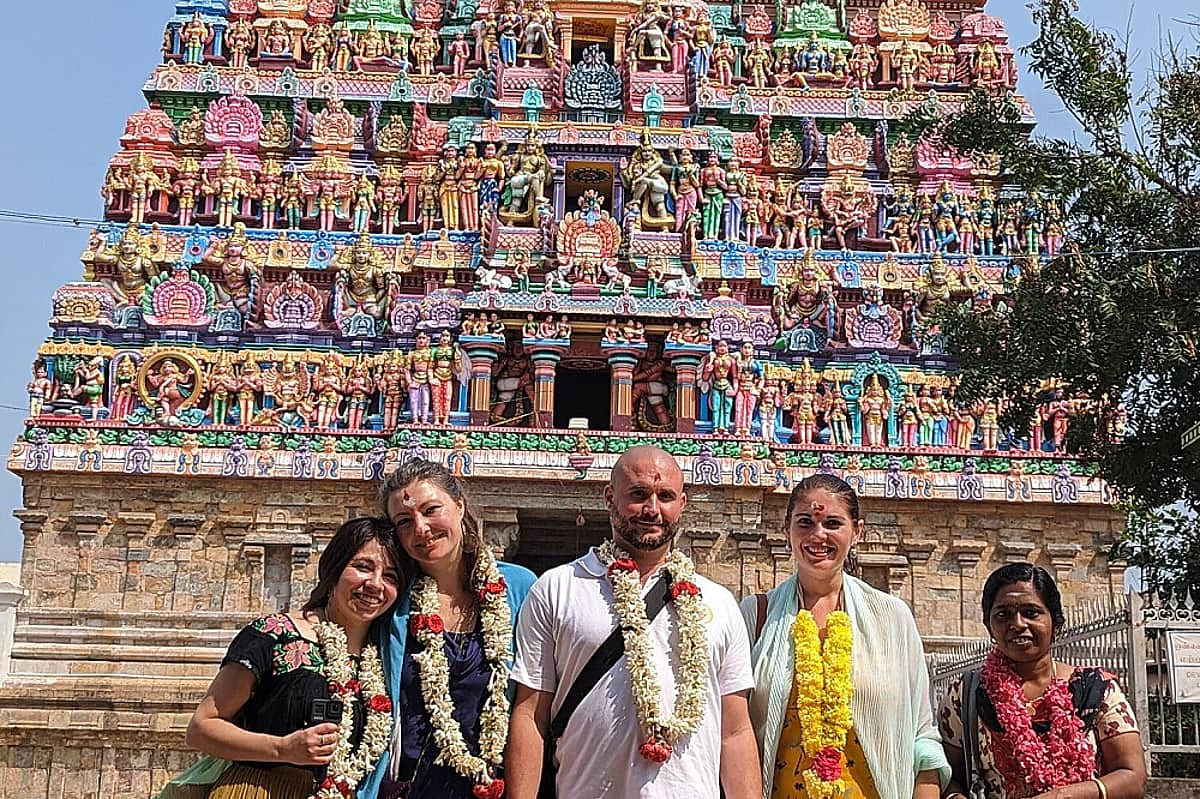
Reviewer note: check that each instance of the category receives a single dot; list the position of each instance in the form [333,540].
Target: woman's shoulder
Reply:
[881,600]
[275,625]
[519,578]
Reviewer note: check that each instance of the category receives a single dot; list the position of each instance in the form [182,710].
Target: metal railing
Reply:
[1128,639]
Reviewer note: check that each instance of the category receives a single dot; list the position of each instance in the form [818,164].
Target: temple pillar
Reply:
[32,523]
[483,351]
[621,359]
[137,527]
[545,358]
[685,359]
[559,196]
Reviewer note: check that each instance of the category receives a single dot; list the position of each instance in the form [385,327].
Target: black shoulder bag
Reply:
[597,666]
[975,788]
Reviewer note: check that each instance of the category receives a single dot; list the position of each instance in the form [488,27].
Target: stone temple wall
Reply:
[136,585]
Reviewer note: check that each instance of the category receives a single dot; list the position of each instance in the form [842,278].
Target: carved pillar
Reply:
[301,586]
[235,591]
[748,543]
[255,556]
[967,553]
[1116,577]
[1062,558]
[137,527]
[566,29]
[685,358]
[560,188]
[1014,551]
[185,527]
[917,552]
[621,360]
[86,527]
[484,352]
[703,542]
[545,358]
[32,523]
[781,560]
[501,531]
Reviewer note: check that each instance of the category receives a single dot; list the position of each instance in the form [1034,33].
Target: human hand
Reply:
[311,746]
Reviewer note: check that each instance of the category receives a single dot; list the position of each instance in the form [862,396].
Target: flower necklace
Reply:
[1039,763]
[690,694]
[348,766]
[496,619]
[822,676]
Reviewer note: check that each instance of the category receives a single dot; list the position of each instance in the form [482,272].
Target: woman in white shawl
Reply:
[841,705]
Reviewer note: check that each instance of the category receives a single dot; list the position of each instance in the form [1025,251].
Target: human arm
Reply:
[739,750]
[1122,764]
[213,731]
[928,785]
[526,742]
[928,754]
[534,671]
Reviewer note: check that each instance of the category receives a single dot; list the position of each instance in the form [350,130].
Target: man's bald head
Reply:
[645,498]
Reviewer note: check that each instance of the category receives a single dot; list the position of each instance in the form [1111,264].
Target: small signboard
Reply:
[1190,437]
[1183,659]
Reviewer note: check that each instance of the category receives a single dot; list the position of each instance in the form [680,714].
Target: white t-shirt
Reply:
[568,614]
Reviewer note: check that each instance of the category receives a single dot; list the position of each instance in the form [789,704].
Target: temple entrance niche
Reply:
[552,536]
[588,31]
[592,182]
[583,388]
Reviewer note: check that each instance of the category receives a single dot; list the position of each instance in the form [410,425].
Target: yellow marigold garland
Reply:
[823,689]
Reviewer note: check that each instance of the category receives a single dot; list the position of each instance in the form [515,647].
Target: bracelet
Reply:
[1101,787]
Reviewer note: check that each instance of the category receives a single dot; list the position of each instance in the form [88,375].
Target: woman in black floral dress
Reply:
[299,697]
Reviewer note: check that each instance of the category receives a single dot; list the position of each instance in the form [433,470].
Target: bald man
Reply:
[607,749]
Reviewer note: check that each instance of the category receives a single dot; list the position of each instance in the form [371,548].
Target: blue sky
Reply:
[74,72]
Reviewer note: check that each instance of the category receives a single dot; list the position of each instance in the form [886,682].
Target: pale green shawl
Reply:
[891,708]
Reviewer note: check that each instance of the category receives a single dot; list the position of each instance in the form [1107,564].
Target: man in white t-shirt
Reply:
[605,749]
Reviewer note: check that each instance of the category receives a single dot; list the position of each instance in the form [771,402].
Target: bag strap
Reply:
[761,618]
[605,658]
[969,719]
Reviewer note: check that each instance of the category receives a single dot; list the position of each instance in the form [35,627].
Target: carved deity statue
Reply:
[644,177]
[719,372]
[228,189]
[134,268]
[530,174]
[537,36]
[362,282]
[648,36]
[875,406]
[237,285]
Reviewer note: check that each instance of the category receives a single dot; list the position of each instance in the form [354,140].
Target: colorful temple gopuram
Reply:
[518,237]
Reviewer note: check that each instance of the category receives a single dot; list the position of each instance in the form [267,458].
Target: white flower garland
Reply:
[690,687]
[348,766]
[496,618]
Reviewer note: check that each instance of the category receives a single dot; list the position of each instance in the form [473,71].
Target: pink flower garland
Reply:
[1036,763]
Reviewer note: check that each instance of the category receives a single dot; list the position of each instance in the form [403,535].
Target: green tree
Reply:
[1116,316]
[1164,544]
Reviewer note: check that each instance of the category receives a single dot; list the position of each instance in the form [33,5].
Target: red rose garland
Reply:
[1035,764]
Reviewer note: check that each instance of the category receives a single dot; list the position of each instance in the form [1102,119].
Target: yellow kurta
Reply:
[790,762]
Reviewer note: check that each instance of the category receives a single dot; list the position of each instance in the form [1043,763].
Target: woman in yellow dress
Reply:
[841,703]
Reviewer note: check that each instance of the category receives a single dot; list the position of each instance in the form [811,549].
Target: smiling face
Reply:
[821,532]
[367,586]
[645,500]
[428,522]
[1020,623]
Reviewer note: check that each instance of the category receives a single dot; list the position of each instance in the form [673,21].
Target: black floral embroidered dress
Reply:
[289,674]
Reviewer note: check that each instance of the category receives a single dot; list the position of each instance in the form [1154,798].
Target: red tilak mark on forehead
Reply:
[818,510]
[407,499]
[658,477]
